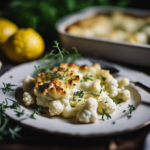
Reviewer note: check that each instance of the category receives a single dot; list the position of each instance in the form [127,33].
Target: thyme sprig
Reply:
[5,128]
[54,59]
[104,113]
[7,87]
[56,75]
[19,114]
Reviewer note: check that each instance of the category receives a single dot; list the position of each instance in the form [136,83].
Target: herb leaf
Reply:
[103,78]
[87,78]
[79,94]
[19,114]
[94,94]
[104,113]
[7,87]
[131,108]
[55,75]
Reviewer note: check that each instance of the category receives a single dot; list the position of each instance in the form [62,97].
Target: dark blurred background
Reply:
[43,14]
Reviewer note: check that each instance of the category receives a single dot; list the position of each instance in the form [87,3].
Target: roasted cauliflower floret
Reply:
[123,95]
[123,82]
[111,87]
[96,86]
[55,108]
[28,98]
[89,112]
[107,104]
[28,84]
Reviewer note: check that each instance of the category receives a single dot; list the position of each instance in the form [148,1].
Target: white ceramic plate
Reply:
[140,116]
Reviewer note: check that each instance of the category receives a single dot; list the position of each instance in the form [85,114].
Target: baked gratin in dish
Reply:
[115,26]
[72,91]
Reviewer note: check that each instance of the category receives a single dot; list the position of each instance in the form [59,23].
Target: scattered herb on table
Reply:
[19,114]
[7,87]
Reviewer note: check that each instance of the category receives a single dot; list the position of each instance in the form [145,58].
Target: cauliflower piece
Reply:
[96,86]
[80,105]
[139,37]
[55,108]
[124,95]
[105,75]
[28,98]
[69,112]
[123,82]
[28,84]
[89,112]
[107,104]
[111,87]
[86,85]
[41,101]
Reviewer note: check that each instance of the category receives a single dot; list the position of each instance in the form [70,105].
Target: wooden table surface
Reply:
[36,140]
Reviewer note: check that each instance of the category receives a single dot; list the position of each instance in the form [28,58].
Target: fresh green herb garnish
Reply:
[15,104]
[113,122]
[94,94]
[103,78]
[73,99]
[115,101]
[129,116]
[106,102]
[79,94]
[55,75]
[19,114]
[53,59]
[10,76]
[131,108]
[87,78]
[124,111]
[79,100]
[90,76]
[7,87]
[5,128]
[104,113]
[14,132]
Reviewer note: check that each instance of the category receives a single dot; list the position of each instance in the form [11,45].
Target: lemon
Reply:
[24,45]
[7,28]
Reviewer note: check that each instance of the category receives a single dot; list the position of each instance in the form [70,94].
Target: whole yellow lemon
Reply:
[24,45]
[7,28]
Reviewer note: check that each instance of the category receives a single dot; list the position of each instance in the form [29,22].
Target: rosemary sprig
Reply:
[7,87]
[104,113]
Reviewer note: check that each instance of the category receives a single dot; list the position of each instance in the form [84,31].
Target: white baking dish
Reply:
[118,51]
